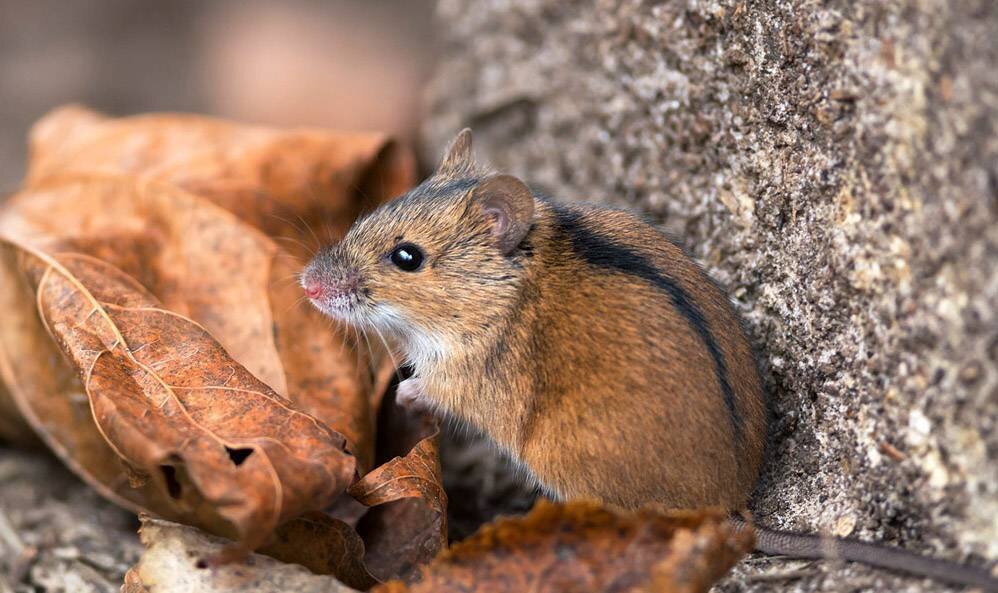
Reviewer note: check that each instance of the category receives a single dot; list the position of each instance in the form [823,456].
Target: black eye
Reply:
[407,257]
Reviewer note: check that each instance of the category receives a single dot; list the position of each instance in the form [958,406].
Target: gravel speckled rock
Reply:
[835,165]
[56,534]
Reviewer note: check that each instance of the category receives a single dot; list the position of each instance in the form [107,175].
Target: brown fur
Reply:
[590,377]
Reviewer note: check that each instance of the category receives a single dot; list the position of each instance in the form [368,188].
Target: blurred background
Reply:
[335,63]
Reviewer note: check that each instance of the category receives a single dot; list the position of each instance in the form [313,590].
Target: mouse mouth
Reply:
[338,298]
[341,305]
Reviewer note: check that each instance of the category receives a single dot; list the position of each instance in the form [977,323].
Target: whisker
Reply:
[311,232]
[391,355]
[297,303]
[296,276]
[290,223]
[301,244]
[344,338]
[317,201]
[359,354]
[294,258]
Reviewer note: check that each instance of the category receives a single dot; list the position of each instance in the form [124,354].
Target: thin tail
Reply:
[799,545]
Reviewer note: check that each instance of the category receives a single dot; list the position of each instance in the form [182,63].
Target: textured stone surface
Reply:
[835,165]
[56,534]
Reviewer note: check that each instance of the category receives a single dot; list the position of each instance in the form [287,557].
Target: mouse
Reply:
[591,349]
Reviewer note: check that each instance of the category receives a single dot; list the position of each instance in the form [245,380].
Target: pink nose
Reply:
[313,290]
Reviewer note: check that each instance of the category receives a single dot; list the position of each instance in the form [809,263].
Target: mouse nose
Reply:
[313,289]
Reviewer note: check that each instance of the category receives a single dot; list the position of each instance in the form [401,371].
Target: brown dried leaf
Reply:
[13,428]
[582,547]
[48,392]
[407,524]
[273,179]
[296,185]
[230,453]
[155,424]
[97,193]
[324,545]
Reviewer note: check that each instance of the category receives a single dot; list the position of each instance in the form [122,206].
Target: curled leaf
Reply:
[229,452]
[585,548]
[325,545]
[202,438]
[302,187]
[159,345]
[407,523]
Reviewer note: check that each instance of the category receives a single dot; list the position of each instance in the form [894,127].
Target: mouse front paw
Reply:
[410,395]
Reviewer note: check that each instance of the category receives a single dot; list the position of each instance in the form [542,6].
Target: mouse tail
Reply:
[797,545]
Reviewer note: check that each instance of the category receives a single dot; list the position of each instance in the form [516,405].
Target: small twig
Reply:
[785,575]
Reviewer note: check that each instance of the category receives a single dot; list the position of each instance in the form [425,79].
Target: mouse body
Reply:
[592,350]
[586,344]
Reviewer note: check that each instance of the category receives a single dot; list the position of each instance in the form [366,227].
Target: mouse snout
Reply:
[314,289]
[331,290]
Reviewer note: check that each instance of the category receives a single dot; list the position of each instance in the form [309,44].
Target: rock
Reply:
[56,533]
[170,565]
[835,165]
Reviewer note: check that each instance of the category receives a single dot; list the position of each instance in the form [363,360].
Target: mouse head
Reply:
[434,267]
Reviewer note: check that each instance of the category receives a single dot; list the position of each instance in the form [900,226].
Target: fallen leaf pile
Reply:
[154,337]
[574,547]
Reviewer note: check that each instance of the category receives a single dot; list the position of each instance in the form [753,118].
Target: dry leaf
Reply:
[407,524]
[302,187]
[229,452]
[128,224]
[169,565]
[324,545]
[278,180]
[582,547]
[102,217]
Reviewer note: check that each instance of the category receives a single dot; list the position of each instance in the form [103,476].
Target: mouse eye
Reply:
[407,257]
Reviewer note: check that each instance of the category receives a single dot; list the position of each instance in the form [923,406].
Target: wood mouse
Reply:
[585,344]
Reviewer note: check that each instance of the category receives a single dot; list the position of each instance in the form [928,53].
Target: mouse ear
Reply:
[508,204]
[458,153]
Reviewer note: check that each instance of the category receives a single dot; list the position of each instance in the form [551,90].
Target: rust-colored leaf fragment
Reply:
[324,545]
[18,321]
[407,524]
[49,394]
[583,547]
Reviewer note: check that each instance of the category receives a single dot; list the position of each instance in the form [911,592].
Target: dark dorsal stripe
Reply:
[600,252]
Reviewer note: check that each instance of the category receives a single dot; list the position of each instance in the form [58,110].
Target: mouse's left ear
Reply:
[509,206]
[458,153]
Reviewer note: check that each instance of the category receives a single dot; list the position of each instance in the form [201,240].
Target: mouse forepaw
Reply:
[410,395]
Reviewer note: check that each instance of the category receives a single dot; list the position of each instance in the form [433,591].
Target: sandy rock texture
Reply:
[835,165]
[56,534]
